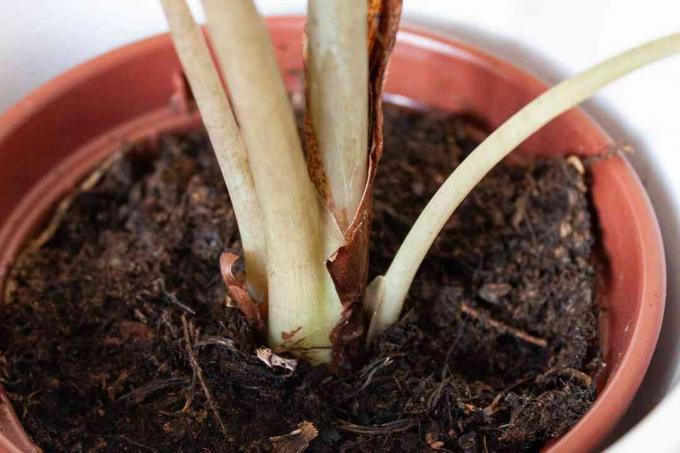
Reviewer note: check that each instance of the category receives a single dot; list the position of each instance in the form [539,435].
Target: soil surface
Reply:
[118,335]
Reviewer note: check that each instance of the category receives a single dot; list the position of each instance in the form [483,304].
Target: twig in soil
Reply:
[436,394]
[198,372]
[225,342]
[296,441]
[137,444]
[569,372]
[172,297]
[139,394]
[385,428]
[502,327]
[370,372]
[445,367]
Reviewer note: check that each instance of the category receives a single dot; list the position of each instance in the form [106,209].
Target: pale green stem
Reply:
[303,304]
[224,135]
[387,293]
[337,71]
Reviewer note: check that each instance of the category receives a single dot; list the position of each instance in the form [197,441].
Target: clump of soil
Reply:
[117,336]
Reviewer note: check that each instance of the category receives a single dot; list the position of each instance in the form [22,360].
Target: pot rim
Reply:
[621,385]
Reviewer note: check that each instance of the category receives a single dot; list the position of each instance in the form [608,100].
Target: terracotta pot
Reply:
[55,136]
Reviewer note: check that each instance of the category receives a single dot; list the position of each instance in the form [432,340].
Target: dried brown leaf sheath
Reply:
[296,441]
[238,291]
[336,86]
[349,265]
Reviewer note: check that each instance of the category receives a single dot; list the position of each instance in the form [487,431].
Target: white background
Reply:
[42,38]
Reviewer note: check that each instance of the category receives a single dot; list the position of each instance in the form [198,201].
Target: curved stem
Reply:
[387,293]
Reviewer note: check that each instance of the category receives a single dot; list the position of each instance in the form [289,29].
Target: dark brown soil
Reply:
[117,329]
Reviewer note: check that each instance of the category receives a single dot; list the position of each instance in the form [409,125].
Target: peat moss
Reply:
[118,327]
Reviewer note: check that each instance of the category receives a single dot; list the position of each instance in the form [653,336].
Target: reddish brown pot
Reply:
[55,136]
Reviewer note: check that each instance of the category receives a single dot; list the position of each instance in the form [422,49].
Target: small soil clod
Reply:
[116,334]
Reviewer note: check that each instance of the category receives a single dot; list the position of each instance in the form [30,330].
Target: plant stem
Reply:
[303,304]
[224,135]
[337,99]
[386,294]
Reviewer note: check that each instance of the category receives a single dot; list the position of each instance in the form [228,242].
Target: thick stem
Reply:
[337,97]
[387,293]
[303,304]
[224,135]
